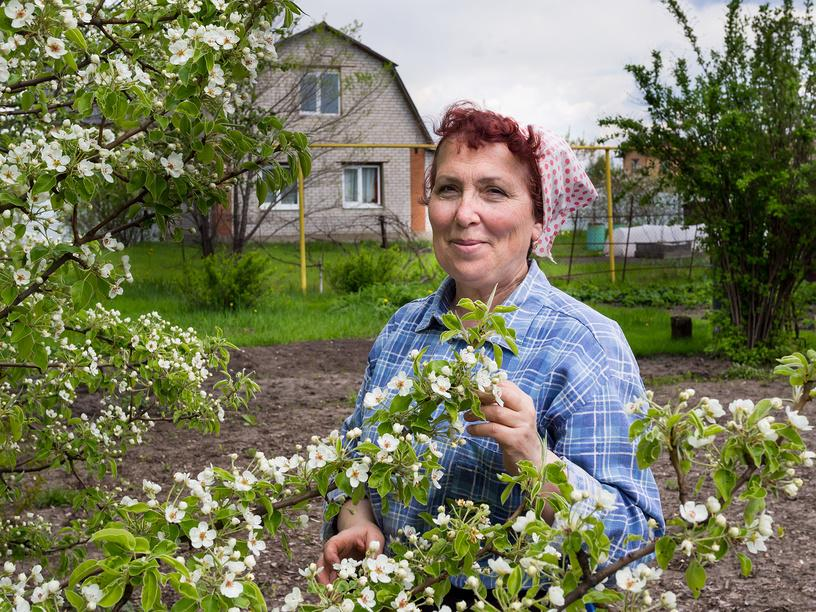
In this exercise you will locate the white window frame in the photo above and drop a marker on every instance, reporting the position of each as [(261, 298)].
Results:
[(319, 74), (273, 199), (359, 168)]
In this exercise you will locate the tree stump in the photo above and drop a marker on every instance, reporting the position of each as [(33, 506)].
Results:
[(680, 327)]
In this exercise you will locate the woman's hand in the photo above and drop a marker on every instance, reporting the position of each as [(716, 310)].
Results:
[(512, 426), (349, 543)]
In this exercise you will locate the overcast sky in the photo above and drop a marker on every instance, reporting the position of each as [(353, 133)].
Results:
[(554, 63)]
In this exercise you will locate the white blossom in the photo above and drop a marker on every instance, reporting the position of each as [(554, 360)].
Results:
[(202, 536), (693, 513), (230, 587), (173, 164), (799, 421), (21, 15), (500, 566), (55, 47), (21, 277)]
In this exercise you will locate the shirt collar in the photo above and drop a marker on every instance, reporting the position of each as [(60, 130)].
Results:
[(442, 301)]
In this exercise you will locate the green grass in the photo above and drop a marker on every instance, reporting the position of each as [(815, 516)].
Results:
[(285, 315), (648, 331)]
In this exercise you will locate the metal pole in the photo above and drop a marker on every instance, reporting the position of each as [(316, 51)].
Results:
[(572, 246), (628, 231), (301, 208), (610, 221), (691, 260)]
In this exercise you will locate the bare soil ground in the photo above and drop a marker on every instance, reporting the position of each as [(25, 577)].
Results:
[(308, 388)]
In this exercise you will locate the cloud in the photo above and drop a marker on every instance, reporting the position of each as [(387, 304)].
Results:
[(557, 64)]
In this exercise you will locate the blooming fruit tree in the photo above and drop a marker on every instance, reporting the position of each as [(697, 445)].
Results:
[(114, 115)]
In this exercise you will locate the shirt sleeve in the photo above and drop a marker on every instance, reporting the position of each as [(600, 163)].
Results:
[(587, 427)]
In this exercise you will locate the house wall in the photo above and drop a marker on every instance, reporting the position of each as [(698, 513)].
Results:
[(370, 113)]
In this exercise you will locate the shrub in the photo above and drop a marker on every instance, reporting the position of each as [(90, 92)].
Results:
[(368, 266), (682, 294), (229, 281)]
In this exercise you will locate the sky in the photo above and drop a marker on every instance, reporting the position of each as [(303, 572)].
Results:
[(549, 62)]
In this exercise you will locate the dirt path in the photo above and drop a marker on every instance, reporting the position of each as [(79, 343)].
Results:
[(308, 389)]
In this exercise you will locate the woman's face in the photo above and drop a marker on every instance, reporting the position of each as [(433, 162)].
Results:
[(482, 216)]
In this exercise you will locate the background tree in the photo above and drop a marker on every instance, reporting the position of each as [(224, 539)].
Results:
[(737, 136)]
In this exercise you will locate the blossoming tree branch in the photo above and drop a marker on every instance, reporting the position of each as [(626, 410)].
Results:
[(115, 116)]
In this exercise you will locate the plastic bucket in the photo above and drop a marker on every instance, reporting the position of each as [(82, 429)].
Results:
[(595, 237)]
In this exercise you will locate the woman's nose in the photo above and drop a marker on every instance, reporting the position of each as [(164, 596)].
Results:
[(467, 211)]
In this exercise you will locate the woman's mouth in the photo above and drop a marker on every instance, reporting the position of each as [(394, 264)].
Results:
[(466, 246)]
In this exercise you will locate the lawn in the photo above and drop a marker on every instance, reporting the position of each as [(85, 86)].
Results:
[(285, 315)]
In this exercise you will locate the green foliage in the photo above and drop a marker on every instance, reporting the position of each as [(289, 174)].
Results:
[(736, 137), (681, 294), (366, 267), (229, 281)]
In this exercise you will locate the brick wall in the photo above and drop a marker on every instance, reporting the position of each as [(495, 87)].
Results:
[(373, 110)]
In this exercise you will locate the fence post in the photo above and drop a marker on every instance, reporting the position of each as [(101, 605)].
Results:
[(626, 249), (572, 246), (302, 221), (691, 259), (609, 213)]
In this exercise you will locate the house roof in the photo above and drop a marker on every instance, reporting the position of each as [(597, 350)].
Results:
[(325, 27)]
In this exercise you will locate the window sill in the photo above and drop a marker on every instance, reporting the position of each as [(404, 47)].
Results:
[(317, 114), (360, 205), (289, 208)]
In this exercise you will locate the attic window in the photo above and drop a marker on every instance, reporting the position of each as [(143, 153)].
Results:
[(320, 93)]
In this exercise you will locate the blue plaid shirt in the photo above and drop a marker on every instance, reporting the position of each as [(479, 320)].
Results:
[(579, 370)]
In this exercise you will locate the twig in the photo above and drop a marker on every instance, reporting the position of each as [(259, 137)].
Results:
[(35, 286), (674, 456), (606, 572)]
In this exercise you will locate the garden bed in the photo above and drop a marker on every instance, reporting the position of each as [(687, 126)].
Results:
[(308, 388)]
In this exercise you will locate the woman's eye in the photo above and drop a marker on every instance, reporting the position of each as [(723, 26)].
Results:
[(445, 190), (496, 192)]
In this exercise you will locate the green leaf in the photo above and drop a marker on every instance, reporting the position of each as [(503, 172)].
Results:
[(695, 578), (117, 535), (75, 36), (45, 182), (745, 564), (724, 480), (514, 581), (39, 356), (75, 599), (150, 589), (81, 571), (664, 551), (185, 605), (112, 593)]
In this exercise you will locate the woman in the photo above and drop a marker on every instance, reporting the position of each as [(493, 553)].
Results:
[(496, 193)]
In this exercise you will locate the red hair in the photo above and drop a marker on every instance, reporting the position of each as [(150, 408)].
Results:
[(475, 127)]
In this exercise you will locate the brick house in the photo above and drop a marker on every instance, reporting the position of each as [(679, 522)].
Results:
[(337, 90)]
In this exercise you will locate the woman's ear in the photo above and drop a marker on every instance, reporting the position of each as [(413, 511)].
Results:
[(538, 229)]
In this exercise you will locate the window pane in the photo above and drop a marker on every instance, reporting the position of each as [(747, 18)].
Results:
[(350, 185), (370, 185), (308, 93), (290, 195), (330, 93)]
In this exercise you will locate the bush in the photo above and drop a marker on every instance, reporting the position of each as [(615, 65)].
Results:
[(229, 281), (367, 267), (683, 294), (386, 297)]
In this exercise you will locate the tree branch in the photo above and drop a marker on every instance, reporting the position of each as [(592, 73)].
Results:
[(35, 286), (606, 572)]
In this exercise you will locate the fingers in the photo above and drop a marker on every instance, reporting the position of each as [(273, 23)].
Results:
[(489, 430), (514, 398), (496, 414), (327, 574)]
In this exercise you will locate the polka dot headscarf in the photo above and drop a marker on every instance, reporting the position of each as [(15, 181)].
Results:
[(565, 187)]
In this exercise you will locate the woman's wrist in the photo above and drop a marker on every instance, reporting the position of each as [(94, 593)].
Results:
[(352, 514)]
